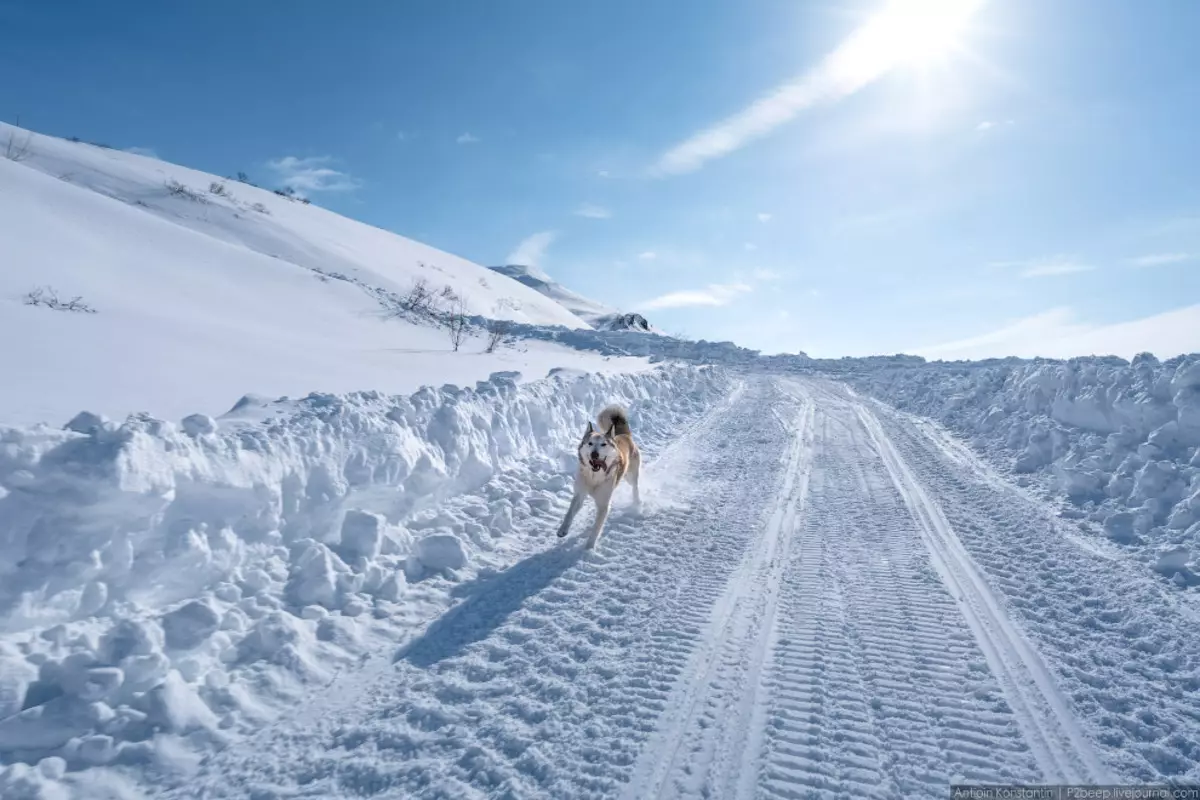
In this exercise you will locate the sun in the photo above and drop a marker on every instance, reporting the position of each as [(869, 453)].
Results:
[(920, 33)]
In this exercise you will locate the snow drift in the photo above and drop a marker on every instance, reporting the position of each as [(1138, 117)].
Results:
[(1120, 440), (168, 586)]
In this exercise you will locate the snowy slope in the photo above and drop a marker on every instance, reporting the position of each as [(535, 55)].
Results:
[(598, 315), (200, 301)]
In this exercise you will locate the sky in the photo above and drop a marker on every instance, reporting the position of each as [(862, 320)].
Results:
[(840, 177)]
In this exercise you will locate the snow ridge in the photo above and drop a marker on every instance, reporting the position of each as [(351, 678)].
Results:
[(1120, 441), (169, 586)]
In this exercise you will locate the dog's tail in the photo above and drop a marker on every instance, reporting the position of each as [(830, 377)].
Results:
[(616, 416)]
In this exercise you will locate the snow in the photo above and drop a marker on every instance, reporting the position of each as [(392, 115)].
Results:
[(168, 586), (598, 315), (1117, 441), (198, 303), (854, 577)]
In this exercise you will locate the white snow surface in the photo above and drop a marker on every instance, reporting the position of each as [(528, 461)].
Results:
[(168, 588), (1118, 442), (200, 300)]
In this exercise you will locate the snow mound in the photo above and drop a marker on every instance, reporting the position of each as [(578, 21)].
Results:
[(165, 588), (1119, 440), (598, 315)]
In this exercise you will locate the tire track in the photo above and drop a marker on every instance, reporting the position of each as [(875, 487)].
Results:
[(1063, 752), (547, 680), (877, 688), (698, 750)]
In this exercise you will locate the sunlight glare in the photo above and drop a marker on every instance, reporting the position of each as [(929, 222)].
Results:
[(920, 32)]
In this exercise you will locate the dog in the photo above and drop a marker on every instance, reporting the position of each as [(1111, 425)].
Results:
[(606, 455)]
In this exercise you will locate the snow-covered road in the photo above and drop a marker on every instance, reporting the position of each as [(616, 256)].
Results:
[(822, 600)]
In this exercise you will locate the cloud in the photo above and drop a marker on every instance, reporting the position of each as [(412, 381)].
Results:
[(648, 255), (531, 249), (602, 173), (311, 175), (403, 136), (764, 217), (1160, 259), (766, 275), (592, 211), (467, 138), (987, 124), (882, 43), (1060, 333), (142, 151), (715, 294), (749, 247), (1045, 267)]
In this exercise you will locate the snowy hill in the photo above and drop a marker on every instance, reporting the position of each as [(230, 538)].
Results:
[(598, 315), (205, 289)]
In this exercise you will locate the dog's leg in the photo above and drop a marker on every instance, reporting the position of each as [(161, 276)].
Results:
[(635, 471), (572, 510), (603, 498)]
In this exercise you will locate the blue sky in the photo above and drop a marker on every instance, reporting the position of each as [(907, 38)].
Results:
[(1028, 180)]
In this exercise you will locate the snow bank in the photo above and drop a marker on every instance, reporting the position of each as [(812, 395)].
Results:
[(166, 587), (1120, 440)]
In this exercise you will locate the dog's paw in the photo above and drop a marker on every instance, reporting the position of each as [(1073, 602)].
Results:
[(561, 534)]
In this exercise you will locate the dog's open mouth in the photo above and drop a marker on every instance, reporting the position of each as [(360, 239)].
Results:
[(597, 464)]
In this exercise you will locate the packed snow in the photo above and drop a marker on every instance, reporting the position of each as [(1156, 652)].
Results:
[(856, 577)]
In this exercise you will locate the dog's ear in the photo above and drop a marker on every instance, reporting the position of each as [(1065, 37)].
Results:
[(590, 430)]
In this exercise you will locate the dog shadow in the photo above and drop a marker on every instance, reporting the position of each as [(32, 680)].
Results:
[(487, 601)]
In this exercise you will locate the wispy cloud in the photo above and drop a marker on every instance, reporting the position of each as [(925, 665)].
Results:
[(766, 275), (648, 255), (715, 294), (869, 53), (764, 217), (1160, 259), (749, 247), (1044, 267), (467, 138), (403, 136), (531, 249), (990, 124), (142, 151), (1061, 333), (311, 175), (592, 211)]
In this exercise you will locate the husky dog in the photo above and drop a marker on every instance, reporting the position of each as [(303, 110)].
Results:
[(606, 455)]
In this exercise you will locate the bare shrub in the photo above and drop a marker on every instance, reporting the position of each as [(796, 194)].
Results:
[(498, 334), (218, 188), (17, 148), (419, 300), (177, 189), (48, 298), (457, 323), (260, 208)]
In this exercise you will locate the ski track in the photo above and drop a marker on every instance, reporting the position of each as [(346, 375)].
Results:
[(835, 603)]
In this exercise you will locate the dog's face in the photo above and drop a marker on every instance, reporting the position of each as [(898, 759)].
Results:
[(598, 451)]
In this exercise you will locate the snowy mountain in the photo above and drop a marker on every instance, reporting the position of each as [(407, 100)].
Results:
[(598, 315), (205, 289)]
